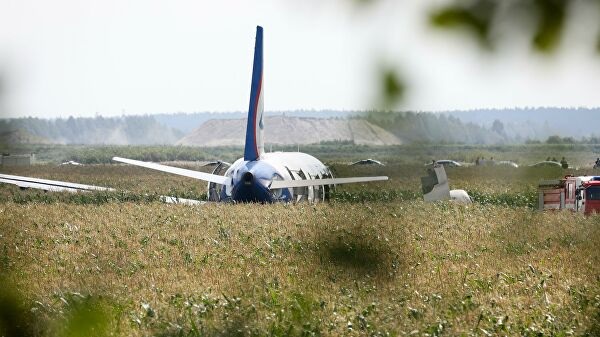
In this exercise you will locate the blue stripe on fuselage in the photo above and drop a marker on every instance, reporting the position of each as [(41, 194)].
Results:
[(251, 151)]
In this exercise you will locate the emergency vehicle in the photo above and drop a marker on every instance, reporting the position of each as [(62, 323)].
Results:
[(579, 194)]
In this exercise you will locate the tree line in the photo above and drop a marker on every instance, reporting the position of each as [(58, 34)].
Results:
[(124, 130), (413, 127)]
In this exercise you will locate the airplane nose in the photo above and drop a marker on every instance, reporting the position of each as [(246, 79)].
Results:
[(247, 178)]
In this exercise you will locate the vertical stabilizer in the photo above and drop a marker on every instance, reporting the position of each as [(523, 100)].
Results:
[(254, 147)]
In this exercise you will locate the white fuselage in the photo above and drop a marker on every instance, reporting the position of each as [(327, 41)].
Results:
[(274, 166)]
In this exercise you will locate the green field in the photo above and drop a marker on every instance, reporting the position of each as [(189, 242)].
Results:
[(579, 155), (375, 260)]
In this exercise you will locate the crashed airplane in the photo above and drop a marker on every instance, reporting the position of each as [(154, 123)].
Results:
[(256, 177)]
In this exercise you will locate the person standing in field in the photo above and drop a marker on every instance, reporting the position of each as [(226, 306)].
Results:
[(563, 163)]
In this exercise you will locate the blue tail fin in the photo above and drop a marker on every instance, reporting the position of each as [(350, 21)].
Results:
[(254, 147)]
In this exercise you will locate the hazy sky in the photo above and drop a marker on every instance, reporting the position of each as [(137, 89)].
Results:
[(80, 57)]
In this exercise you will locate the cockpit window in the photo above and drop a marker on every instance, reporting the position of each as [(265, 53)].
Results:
[(592, 193)]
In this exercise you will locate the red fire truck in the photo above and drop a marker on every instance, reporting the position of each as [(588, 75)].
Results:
[(579, 194)]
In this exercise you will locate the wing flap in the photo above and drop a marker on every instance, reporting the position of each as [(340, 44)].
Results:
[(329, 181), (213, 178)]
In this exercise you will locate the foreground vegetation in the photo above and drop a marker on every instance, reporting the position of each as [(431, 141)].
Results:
[(376, 260), (405, 268)]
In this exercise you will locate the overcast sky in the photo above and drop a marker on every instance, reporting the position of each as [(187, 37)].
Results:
[(113, 57)]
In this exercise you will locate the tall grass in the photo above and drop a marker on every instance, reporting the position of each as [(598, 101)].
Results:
[(396, 268), (375, 261)]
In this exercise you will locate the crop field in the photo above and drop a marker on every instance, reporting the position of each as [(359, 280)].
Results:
[(375, 260), (579, 155)]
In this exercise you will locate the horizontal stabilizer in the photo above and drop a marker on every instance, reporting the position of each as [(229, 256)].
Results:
[(329, 181), (48, 185), (213, 178)]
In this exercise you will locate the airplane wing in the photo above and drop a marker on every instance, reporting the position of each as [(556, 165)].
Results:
[(49, 185), (63, 186), (329, 181), (213, 178), (51, 188)]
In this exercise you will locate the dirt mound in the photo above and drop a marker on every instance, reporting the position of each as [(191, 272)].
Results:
[(291, 130)]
